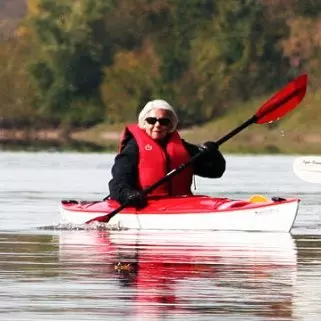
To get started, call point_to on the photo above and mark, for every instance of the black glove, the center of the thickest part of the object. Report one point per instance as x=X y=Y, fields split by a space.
x=210 y=147
x=134 y=198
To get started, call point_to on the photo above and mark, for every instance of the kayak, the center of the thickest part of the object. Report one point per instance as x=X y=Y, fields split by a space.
x=218 y=248
x=198 y=212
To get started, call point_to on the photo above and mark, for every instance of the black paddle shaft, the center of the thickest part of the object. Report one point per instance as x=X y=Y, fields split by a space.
x=235 y=131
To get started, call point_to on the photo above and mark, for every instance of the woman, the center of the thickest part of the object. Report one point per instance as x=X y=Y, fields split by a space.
x=152 y=148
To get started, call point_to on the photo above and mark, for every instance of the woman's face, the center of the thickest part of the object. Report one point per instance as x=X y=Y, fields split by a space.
x=157 y=124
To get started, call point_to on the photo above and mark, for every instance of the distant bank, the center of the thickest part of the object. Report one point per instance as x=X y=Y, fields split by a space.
x=253 y=140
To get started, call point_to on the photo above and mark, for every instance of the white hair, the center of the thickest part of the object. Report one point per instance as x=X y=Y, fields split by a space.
x=158 y=104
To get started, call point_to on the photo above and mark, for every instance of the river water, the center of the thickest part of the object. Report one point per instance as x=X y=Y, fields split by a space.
x=51 y=273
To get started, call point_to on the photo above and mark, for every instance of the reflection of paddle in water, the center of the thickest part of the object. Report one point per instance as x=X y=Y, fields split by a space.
x=184 y=272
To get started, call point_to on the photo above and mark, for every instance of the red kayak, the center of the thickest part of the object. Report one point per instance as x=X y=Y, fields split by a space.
x=197 y=212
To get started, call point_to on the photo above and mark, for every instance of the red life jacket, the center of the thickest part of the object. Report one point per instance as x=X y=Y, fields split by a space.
x=155 y=162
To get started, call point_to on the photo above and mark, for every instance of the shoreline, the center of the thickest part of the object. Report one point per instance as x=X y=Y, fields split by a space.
x=108 y=140
x=43 y=140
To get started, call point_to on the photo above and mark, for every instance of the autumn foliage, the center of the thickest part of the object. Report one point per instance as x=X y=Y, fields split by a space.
x=78 y=63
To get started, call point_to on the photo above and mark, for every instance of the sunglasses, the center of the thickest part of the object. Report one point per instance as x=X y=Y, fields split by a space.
x=161 y=121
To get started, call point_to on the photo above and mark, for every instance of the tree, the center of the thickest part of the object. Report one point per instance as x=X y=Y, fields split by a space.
x=16 y=94
x=130 y=83
x=238 y=55
x=303 y=47
x=68 y=58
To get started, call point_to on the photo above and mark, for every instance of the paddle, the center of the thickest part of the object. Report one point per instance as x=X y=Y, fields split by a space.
x=308 y=168
x=280 y=104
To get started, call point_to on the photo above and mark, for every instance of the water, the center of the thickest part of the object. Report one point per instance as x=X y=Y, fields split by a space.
x=52 y=274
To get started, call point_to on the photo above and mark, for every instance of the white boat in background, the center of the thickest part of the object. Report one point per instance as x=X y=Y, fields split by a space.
x=308 y=168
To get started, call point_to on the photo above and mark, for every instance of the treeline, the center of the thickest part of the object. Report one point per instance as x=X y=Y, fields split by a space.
x=82 y=62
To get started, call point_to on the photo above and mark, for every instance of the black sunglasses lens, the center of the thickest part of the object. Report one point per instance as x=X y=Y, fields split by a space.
x=151 y=120
x=162 y=121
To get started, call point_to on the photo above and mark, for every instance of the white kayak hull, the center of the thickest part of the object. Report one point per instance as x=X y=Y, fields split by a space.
x=269 y=216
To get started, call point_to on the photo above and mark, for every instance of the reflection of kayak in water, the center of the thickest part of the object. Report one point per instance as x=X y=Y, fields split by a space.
x=189 y=213
x=186 y=272
x=202 y=247
x=271 y=248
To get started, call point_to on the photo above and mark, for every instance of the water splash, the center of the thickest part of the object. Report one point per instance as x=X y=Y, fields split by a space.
x=96 y=226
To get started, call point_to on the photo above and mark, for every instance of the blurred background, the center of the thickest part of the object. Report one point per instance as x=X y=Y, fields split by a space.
x=73 y=72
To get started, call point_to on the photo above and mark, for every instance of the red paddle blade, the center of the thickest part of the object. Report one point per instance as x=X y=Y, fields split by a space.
x=284 y=101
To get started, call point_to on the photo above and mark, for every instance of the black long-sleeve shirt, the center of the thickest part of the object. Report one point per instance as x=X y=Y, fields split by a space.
x=125 y=168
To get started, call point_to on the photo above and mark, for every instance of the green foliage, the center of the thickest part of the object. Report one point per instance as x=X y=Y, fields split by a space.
x=309 y=8
x=16 y=94
x=102 y=60
x=177 y=26
x=303 y=47
x=67 y=67
x=237 y=56
x=129 y=84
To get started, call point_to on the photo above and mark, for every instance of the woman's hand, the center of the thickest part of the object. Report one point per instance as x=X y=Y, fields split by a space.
x=134 y=198
x=210 y=147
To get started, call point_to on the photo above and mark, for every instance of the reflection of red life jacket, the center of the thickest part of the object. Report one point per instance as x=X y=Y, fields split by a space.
x=155 y=162
x=159 y=273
